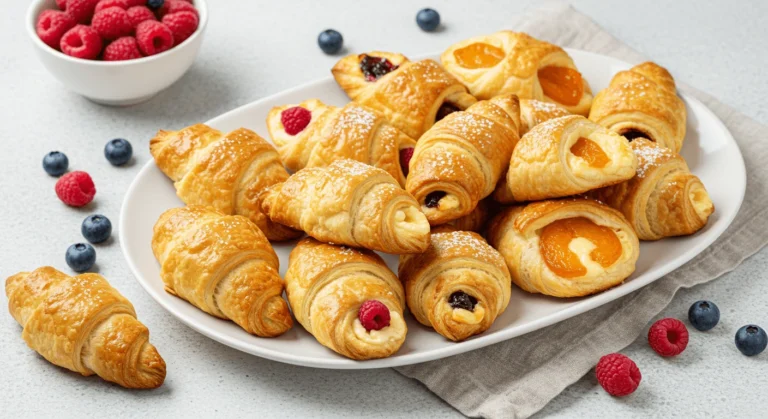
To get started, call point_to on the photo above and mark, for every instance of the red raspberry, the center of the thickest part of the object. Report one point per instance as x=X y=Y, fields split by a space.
x=75 y=189
x=153 y=37
x=138 y=14
x=182 y=24
x=112 y=23
x=175 y=6
x=52 y=25
x=61 y=4
x=106 y=4
x=81 y=42
x=373 y=315
x=405 y=159
x=81 y=10
x=668 y=337
x=295 y=119
x=618 y=375
x=125 y=48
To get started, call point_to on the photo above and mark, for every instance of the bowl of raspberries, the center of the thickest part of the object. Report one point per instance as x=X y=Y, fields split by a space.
x=117 y=52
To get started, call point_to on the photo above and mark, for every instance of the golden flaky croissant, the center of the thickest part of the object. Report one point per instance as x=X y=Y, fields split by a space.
x=567 y=156
x=350 y=132
x=347 y=299
x=226 y=172
x=533 y=112
x=349 y=203
x=411 y=95
x=459 y=286
x=515 y=63
x=664 y=199
x=461 y=158
x=642 y=102
x=84 y=325
x=223 y=265
x=565 y=248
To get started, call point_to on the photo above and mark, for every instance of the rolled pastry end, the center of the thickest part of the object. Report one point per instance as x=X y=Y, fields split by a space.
x=378 y=331
x=151 y=367
x=462 y=315
x=700 y=201
x=410 y=229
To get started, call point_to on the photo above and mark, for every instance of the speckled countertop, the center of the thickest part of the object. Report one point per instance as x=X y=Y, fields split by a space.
x=253 y=49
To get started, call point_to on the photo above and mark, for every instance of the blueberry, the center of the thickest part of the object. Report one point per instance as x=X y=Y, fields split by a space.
x=81 y=257
x=330 y=41
x=751 y=340
x=118 y=151
x=96 y=228
x=155 y=4
x=461 y=299
x=428 y=19
x=55 y=163
x=432 y=199
x=704 y=315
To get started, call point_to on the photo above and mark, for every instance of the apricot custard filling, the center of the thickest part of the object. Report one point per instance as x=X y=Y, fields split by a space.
x=590 y=152
x=562 y=84
x=558 y=253
x=478 y=55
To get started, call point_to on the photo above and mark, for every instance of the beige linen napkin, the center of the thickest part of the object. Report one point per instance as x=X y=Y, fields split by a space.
x=519 y=377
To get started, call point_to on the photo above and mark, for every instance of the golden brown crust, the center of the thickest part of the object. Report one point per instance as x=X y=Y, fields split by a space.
x=534 y=112
x=226 y=172
x=351 y=132
x=456 y=261
x=223 y=265
x=84 y=325
x=643 y=99
x=664 y=199
x=326 y=284
x=409 y=96
x=350 y=203
x=517 y=72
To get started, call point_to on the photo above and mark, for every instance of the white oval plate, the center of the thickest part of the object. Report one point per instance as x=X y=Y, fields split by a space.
x=710 y=150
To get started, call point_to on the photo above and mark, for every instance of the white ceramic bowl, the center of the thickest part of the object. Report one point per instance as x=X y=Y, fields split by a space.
x=117 y=83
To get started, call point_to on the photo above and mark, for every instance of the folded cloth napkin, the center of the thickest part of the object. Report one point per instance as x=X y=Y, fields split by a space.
x=519 y=377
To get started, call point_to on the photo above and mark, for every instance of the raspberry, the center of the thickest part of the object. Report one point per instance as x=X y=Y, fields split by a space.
x=182 y=24
x=153 y=37
x=106 y=4
x=112 y=23
x=81 y=10
x=175 y=6
x=618 y=375
x=125 y=48
x=405 y=159
x=295 y=119
x=138 y=14
x=668 y=337
x=62 y=4
x=81 y=42
x=373 y=315
x=52 y=25
x=75 y=189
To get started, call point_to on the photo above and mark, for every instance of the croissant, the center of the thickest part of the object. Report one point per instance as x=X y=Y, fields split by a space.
x=411 y=95
x=347 y=299
x=352 y=132
x=223 y=172
x=664 y=199
x=515 y=63
x=567 y=156
x=565 y=248
x=84 y=325
x=461 y=158
x=350 y=203
x=223 y=265
x=642 y=102
x=533 y=112
x=459 y=286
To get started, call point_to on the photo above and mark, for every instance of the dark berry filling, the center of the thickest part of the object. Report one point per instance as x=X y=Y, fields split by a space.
x=375 y=67
x=445 y=110
x=405 y=159
x=461 y=299
x=433 y=199
x=634 y=133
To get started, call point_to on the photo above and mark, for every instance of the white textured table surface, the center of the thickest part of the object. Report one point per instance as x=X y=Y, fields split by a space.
x=253 y=49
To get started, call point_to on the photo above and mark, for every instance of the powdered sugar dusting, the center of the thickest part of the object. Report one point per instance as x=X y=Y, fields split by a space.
x=650 y=156
x=445 y=242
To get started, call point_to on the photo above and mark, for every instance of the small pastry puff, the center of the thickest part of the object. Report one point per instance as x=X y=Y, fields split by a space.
x=565 y=248
x=642 y=102
x=515 y=63
x=566 y=156
x=459 y=286
x=411 y=95
x=664 y=199
x=352 y=132
x=460 y=159
x=326 y=286
x=349 y=203
x=84 y=325
x=226 y=172
x=223 y=265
